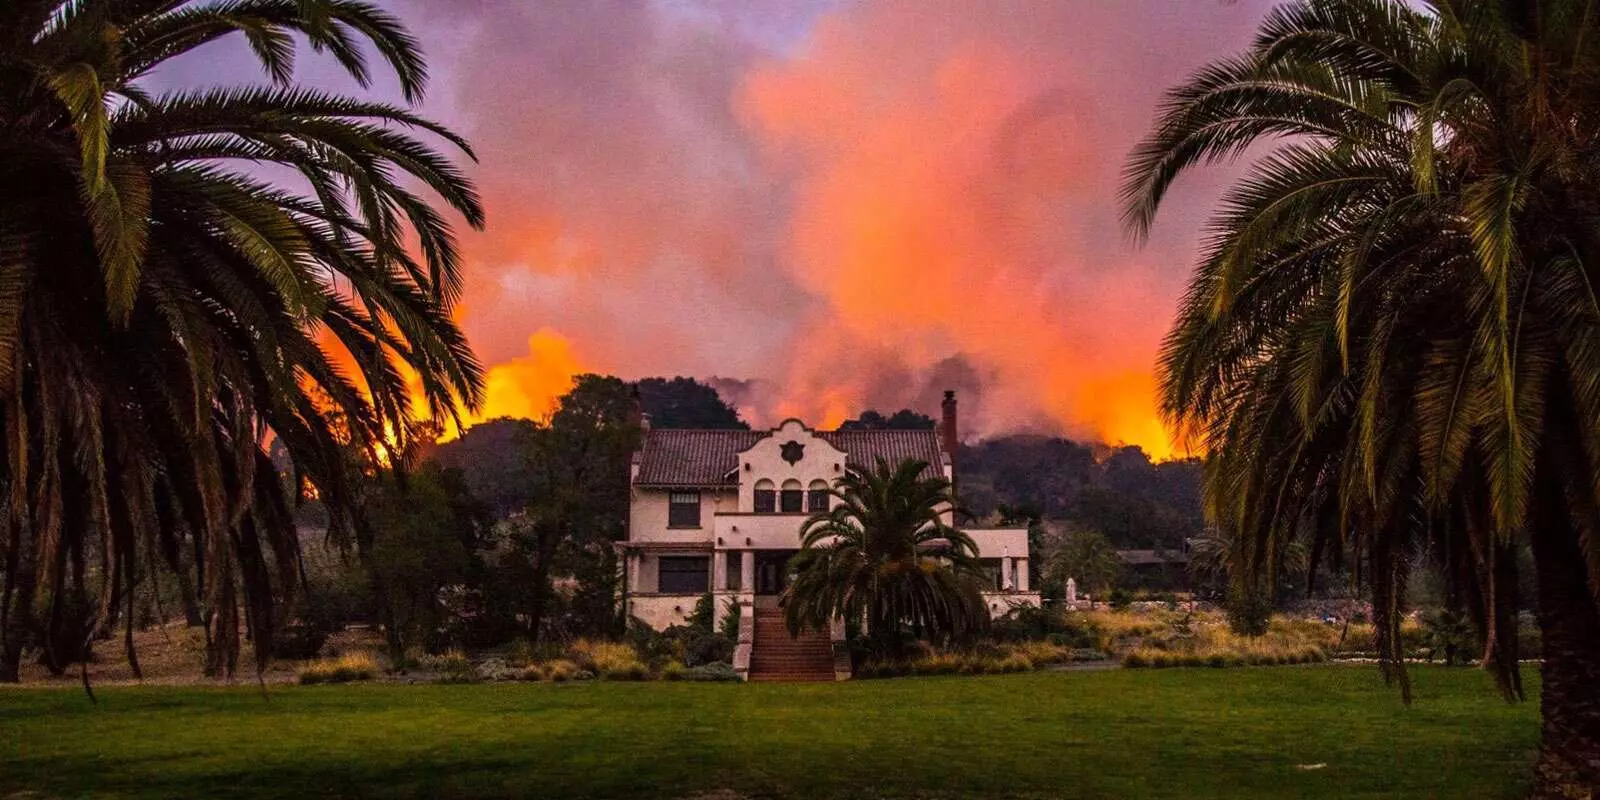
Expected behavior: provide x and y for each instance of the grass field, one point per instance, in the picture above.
(1123, 733)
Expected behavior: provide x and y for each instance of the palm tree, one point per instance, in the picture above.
(1393, 337)
(884, 554)
(1087, 555)
(168, 313)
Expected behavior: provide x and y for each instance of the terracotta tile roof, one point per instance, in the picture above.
(864, 448)
(706, 457)
(692, 457)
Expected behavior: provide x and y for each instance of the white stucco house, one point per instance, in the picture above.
(720, 511)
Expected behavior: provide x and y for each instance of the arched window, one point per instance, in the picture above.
(766, 497)
(817, 496)
(792, 499)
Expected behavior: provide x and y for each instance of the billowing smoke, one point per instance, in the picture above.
(834, 205)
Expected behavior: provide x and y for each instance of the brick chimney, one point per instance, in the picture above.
(949, 436)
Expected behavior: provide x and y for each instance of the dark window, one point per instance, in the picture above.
(682, 574)
(734, 574)
(766, 501)
(790, 501)
(683, 509)
(817, 500)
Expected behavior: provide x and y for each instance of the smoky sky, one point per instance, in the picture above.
(828, 206)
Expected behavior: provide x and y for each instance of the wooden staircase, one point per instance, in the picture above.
(777, 656)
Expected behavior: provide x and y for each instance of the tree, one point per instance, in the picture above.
(165, 311)
(884, 554)
(686, 403)
(427, 529)
(903, 420)
(493, 458)
(580, 464)
(1086, 555)
(1390, 340)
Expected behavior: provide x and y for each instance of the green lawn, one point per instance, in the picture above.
(1123, 733)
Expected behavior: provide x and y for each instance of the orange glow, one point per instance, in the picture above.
(904, 196)
(929, 219)
(527, 386)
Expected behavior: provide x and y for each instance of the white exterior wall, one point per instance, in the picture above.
(647, 515)
(730, 530)
(819, 461)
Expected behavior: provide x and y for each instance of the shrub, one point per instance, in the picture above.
(1043, 653)
(707, 648)
(937, 664)
(1249, 611)
(606, 658)
(716, 671)
(705, 610)
(346, 668)
(1016, 663)
(451, 666)
(730, 620)
(1027, 623)
(521, 652)
(494, 669)
(1120, 599)
(673, 671)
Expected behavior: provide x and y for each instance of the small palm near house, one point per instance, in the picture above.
(749, 516)
(885, 554)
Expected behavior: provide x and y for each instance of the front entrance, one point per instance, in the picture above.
(772, 573)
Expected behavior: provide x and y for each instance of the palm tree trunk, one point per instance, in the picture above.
(1569, 753)
(16, 606)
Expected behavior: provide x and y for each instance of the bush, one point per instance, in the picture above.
(451, 666)
(1016, 663)
(495, 669)
(705, 610)
(1027, 623)
(521, 652)
(707, 648)
(604, 658)
(1120, 599)
(629, 672)
(717, 671)
(346, 668)
(1043, 653)
(1249, 611)
(317, 615)
(730, 620)
(937, 664)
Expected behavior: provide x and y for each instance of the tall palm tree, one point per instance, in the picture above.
(168, 313)
(884, 554)
(1393, 336)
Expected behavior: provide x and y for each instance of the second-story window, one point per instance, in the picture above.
(766, 497)
(817, 497)
(683, 509)
(792, 499)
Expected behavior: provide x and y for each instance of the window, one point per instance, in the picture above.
(791, 500)
(734, 574)
(766, 497)
(682, 574)
(817, 497)
(683, 510)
